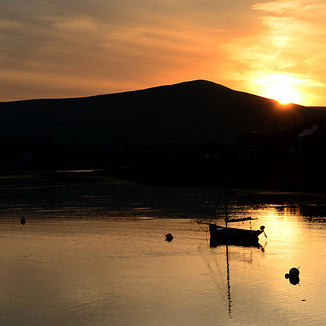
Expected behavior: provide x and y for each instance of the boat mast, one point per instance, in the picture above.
(226, 209)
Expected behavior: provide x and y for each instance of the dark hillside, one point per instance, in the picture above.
(147, 120)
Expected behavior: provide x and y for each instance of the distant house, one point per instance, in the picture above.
(307, 132)
(309, 142)
(294, 151)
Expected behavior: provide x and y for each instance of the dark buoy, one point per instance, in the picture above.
(294, 272)
(293, 276)
(22, 221)
(168, 237)
(294, 280)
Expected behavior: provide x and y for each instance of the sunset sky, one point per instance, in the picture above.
(76, 48)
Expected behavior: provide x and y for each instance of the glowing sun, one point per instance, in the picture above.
(284, 94)
(281, 88)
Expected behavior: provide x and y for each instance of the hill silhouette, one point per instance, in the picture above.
(149, 120)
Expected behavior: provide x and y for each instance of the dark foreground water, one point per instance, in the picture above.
(93, 252)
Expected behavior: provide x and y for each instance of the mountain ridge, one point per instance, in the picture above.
(152, 119)
(199, 82)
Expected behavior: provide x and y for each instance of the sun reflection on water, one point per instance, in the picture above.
(110, 262)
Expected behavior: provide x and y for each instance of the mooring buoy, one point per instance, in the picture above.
(293, 275)
(294, 272)
(168, 237)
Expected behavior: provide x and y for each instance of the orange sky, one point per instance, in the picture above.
(78, 48)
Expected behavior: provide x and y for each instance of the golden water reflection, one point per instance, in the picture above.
(124, 272)
(98, 256)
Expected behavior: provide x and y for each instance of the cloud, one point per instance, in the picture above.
(110, 42)
(82, 47)
(291, 42)
(290, 7)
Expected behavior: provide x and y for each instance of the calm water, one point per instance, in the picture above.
(92, 253)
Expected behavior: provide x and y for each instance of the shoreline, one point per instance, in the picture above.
(289, 178)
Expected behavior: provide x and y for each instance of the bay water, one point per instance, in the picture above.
(93, 253)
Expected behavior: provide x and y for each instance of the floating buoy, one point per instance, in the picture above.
(293, 275)
(22, 220)
(294, 272)
(168, 237)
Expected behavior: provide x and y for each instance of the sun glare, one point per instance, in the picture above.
(284, 94)
(282, 89)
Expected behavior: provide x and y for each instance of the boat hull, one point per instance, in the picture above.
(223, 235)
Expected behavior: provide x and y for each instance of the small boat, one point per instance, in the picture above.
(228, 235)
